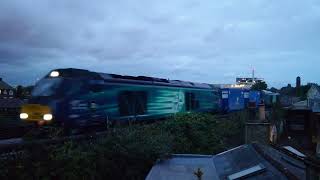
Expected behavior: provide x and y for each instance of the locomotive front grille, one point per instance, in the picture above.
(35, 116)
(35, 112)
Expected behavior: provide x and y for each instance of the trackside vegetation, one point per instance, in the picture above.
(127, 152)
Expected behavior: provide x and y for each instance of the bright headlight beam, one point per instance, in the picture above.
(47, 117)
(24, 116)
(54, 74)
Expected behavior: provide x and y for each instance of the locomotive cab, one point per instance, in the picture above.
(50, 96)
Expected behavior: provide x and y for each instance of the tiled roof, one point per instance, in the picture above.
(11, 103)
(317, 87)
(4, 85)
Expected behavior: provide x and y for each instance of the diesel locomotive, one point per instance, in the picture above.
(76, 98)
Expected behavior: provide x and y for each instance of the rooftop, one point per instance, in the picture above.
(301, 105)
(251, 160)
(4, 85)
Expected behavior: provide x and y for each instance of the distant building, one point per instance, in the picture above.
(248, 81)
(6, 91)
(313, 98)
(243, 82)
(304, 120)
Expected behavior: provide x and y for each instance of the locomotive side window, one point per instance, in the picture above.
(191, 102)
(132, 103)
(97, 88)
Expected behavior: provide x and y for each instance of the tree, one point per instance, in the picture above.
(259, 86)
(288, 90)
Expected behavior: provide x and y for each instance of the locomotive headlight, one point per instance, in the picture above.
(54, 74)
(47, 117)
(24, 116)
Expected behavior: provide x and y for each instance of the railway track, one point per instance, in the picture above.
(12, 131)
(16, 130)
(16, 148)
(11, 126)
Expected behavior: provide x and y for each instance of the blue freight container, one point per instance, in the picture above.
(255, 97)
(232, 99)
(246, 97)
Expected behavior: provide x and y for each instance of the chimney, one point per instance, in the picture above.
(262, 112)
(298, 82)
(298, 86)
(257, 129)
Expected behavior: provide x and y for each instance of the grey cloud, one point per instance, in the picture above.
(194, 40)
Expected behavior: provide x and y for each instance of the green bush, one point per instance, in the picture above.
(127, 152)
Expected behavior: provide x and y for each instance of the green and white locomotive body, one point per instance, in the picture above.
(91, 98)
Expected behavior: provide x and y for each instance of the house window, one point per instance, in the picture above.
(132, 103)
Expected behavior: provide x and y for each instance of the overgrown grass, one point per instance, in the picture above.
(130, 152)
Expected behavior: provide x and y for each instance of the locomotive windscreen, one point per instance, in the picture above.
(47, 87)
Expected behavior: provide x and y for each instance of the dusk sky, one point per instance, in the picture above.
(195, 40)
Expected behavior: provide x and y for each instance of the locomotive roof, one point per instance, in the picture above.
(71, 72)
(154, 80)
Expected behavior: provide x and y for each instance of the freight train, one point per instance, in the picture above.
(76, 98)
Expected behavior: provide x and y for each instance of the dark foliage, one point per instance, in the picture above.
(129, 152)
(259, 86)
(293, 91)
